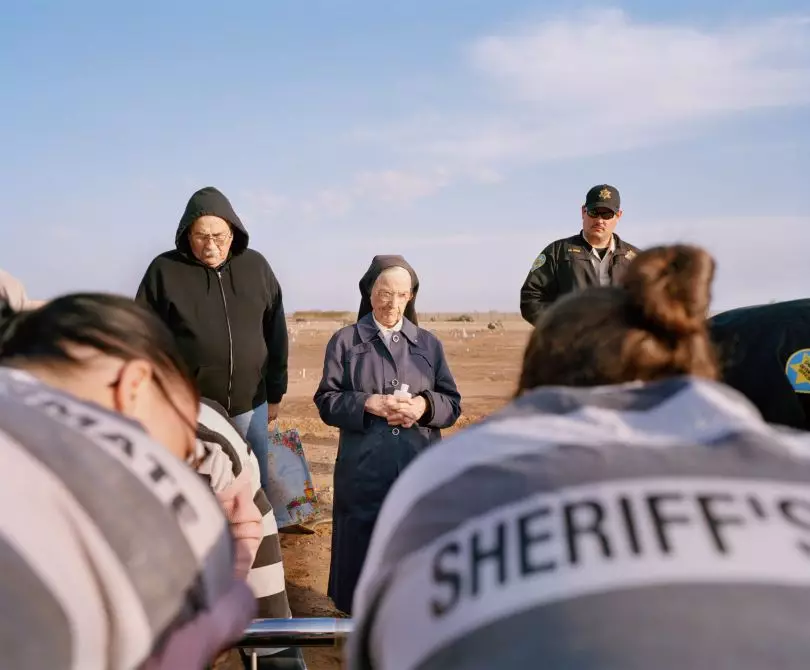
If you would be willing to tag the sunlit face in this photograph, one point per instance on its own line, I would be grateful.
(210, 238)
(169, 415)
(390, 294)
(598, 225)
(164, 404)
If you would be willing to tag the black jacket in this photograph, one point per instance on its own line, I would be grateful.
(756, 345)
(229, 322)
(565, 266)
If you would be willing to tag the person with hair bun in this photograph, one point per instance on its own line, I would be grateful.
(115, 553)
(625, 510)
(651, 327)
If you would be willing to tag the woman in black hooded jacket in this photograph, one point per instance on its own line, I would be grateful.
(224, 306)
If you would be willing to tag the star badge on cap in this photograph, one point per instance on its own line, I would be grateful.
(605, 194)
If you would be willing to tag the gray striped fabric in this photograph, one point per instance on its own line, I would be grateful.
(225, 455)
(662, 526)
(107, 541)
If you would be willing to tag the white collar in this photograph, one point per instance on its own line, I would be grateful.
(383, 329)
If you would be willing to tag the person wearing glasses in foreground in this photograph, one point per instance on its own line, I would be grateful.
(114, 552)
(593, 257)
(626, 510)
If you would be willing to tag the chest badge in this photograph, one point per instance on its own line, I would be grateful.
(797, 370)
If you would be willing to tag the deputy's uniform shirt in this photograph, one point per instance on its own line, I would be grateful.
(568, 265)
(619, 528)
(108, 542)
(765, 352)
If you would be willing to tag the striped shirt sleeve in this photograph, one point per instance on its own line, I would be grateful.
(38, 599)
(225, 449)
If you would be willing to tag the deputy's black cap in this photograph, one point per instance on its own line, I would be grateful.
(603, 195)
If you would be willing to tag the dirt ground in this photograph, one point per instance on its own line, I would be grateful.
(485, 362)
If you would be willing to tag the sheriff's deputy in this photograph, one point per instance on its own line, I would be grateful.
(593, 257)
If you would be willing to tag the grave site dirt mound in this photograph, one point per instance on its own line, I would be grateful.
(485, 362)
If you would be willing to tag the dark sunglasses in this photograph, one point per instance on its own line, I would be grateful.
(605, 214)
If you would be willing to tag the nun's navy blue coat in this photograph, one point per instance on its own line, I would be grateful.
(372, 454)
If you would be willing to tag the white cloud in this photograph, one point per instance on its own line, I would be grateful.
(584, 84)
(602, 65)
(598, 82)
(392, 187)
(399, 186)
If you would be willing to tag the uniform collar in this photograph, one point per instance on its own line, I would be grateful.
(614, 241)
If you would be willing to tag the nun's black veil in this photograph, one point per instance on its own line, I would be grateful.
(378, 264)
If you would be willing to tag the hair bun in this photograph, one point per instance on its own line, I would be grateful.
(670, 287)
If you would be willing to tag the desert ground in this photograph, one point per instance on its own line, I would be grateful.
(484, 351)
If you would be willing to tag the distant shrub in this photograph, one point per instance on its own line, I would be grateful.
(323, 315)
(462, 318)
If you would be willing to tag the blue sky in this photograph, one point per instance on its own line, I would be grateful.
(462, 134)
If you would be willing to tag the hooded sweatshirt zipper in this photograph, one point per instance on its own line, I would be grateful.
(230, 339)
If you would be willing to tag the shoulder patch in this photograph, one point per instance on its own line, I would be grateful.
(539, 262)
(797, 370)
(630, 255)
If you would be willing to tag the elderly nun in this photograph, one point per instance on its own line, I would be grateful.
(387, 386)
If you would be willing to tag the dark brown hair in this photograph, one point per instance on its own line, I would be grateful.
(651, 326)
(114, 325)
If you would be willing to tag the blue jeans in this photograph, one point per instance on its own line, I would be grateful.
(253, 427)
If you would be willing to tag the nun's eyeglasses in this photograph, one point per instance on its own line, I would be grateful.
(390, 295)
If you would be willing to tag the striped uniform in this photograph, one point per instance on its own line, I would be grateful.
(630, 527)
(224, 455)
(108, 543)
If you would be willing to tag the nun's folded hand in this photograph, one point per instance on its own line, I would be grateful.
(407, 412)
(380, 405)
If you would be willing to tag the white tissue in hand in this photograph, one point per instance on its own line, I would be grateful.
(402, 392)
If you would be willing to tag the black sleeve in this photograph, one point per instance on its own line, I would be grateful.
(149, 293)
(540, 288)
(275, 335)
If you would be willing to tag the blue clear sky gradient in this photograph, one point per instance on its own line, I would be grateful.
(462, 134)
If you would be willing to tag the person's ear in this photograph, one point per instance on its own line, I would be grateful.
(618, 215)
(132, 385)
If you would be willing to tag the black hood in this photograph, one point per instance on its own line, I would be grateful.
(378, 264)
(209, 201)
